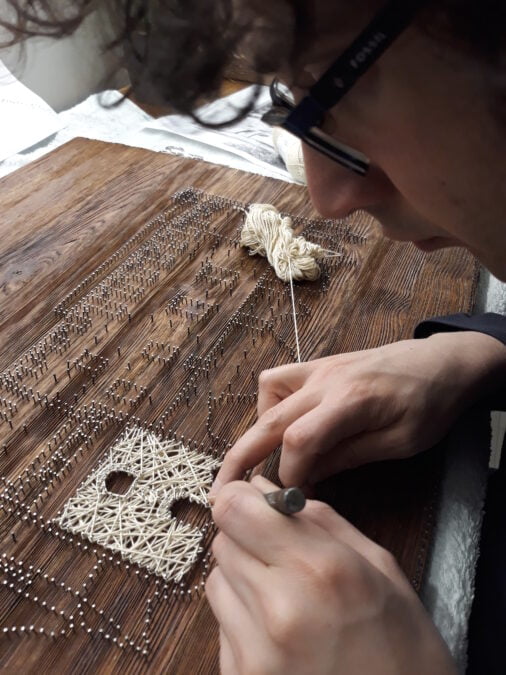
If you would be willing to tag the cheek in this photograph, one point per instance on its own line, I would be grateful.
(336, 191)
(322, 180)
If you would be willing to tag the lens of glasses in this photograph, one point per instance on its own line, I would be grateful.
(281, 95)
(276, 116)
(283, 105)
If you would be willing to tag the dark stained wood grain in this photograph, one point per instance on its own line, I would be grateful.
(72, 221)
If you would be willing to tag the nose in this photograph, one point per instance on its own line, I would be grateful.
(336, 191)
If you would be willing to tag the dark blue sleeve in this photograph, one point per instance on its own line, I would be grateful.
(490, 324)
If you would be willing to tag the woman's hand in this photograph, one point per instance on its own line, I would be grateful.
(310, 594)
(342, 411)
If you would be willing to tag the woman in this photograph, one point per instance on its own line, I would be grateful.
(421, 96)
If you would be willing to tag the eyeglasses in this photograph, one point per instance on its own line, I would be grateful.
(304, 119)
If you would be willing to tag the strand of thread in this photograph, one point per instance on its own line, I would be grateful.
(267, 233)
(294, 313)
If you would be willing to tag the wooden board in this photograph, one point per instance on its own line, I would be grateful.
(126, 300)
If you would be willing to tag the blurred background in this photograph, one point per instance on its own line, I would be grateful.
(64, 72)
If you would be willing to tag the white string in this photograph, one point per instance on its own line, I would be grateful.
(269, 234)
(294, 312)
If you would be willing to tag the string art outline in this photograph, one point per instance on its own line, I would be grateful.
(139, 523)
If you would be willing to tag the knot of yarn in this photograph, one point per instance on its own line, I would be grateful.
(269, 234)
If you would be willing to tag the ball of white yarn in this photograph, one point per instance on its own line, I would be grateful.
(267, 233)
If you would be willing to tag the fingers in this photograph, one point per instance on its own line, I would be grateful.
(262, 537)
(314, 436)
(343, 531)
(228, 665)
(262, 438)
(276, 384)
(236, 622)
(389, 443)
(244, 573)
(243, 515)
(310, 428)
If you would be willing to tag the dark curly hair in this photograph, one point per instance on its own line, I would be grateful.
(183, 47)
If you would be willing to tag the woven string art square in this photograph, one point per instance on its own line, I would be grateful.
(139, 523)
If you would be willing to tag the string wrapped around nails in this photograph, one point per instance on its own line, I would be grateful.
(139, 524)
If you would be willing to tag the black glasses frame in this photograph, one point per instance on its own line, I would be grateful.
(303, 119)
